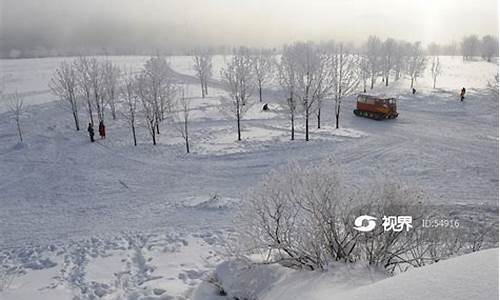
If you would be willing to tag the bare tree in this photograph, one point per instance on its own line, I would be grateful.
(264, 63)
(389, 47)
(435, 70)
(16, 110)
(202, 64)
(82, 65)
(399, 58)
(489, 47)
(287, 81)
(111, 76)
(238, 76)
(311, 71)
(416, 62)
(129, 94)
(470, 47)
(372, 50)
(158, 75)
(64, 85)
(182, 116)
(97, 77)
(145, 93)
(346, 77)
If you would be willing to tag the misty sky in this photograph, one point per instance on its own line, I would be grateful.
(187, 23)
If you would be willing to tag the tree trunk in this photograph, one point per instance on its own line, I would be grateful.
(387, 80)
(372, 82)
(319, 117)
(202, 89)
(260, 92)
(238, 121)
(77, 122)
(133, 133)
(186, 134)
(19, 130)
(90, 112)
(411, 86)
(337, 118)
(206, 87)
(293, 127)
(307, 123)
(434, 83)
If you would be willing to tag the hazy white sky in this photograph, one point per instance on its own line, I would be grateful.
(184, 23)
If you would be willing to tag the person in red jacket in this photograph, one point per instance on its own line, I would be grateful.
(102, 129)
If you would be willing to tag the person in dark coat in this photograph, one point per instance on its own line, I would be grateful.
(462, 94)
(102, 129)
(413, 90)
(90, 129)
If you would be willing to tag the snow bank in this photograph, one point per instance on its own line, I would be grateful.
(473, 276)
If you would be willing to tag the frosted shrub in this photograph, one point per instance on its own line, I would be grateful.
(303, 216)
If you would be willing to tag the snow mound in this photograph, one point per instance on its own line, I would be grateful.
(472, 276)
(213, 201)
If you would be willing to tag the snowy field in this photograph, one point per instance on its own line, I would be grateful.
(149, 222)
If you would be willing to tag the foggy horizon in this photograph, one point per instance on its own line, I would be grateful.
(178, 25)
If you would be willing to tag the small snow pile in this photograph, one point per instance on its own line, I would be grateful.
(214, 201)
(472, 276)
(340, 132)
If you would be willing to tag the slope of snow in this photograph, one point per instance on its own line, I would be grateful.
(472, 276)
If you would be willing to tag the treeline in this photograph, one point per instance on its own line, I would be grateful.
(472, 45)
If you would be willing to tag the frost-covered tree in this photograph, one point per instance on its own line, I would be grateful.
(286, 78)
(346, 77)
(312, 69)
(399, 60)
(435, 70)
(389, 47)
(97, 81)
(160, 87)
(82, 65)
(489, 47)
(111, 76)
(264, 63)
(182, 116)
(202, 65)
(470, 47)
(64, 85)
(416, 62)
(239, 78)
(130, 97)
(372, 50)
(149, 104)
(16, 110)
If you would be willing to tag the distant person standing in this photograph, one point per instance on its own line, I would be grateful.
(90, 129)
(462, 94)
(102, 129)
(414, 91)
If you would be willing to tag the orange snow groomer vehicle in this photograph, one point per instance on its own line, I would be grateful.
(377, 108)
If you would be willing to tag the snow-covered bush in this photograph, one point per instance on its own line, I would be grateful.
(303, 216)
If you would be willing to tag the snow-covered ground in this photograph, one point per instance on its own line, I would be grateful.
(112, 219)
